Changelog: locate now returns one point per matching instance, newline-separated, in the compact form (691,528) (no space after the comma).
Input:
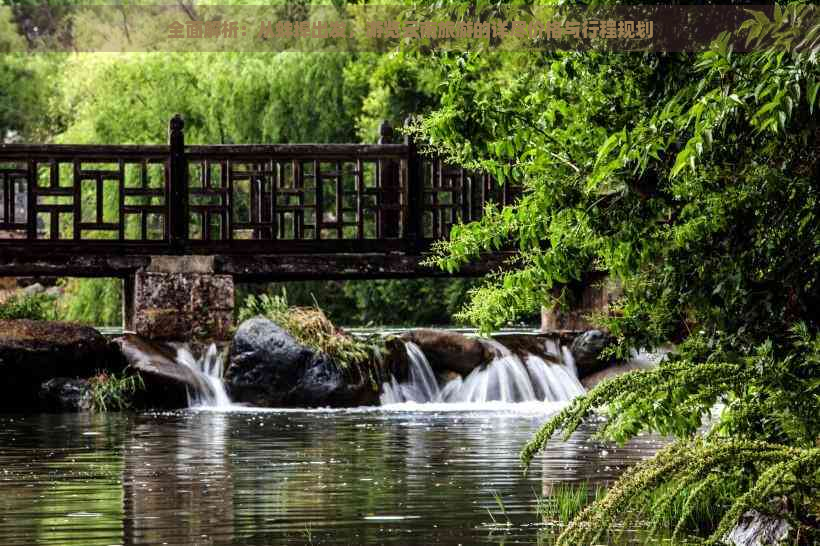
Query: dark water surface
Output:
(289,477)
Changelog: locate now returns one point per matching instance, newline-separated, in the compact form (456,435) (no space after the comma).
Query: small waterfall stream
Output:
(422,385)
(210,390)
(504,379)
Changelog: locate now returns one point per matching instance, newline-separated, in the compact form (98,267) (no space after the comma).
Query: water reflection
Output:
(177,481)
(377,477)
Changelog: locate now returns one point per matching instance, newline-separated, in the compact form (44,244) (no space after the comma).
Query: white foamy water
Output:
(506,380)
(210,390)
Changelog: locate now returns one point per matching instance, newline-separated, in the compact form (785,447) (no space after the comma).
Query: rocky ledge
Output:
(51,366)
(34,352)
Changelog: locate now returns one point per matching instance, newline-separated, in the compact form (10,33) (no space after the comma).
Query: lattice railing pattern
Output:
(244,198)
(323,198)
(14,199)
(453,195)
(87,196)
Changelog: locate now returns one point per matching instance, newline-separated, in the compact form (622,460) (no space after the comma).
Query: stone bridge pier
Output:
(179,298)
(595,296)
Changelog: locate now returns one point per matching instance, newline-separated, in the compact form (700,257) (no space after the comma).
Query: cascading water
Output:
(422,385)
(505,379)
(210,389)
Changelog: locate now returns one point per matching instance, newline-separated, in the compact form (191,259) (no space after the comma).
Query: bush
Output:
(97,302)
(405,302)
(33,307)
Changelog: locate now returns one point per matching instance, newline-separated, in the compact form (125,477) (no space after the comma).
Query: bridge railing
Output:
(214,199)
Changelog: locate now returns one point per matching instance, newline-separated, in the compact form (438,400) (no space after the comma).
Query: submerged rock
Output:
(32,352)
(593,379)
(586,350)
(449,351)
(63,394)
(269,367)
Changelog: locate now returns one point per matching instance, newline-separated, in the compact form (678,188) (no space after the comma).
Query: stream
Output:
(435,463)
(398,474)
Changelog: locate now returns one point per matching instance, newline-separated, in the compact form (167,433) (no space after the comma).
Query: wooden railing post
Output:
(389,214)
(31,201)
(413,224)
(178,191)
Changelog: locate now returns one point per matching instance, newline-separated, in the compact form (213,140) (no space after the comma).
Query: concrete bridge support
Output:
(179,298)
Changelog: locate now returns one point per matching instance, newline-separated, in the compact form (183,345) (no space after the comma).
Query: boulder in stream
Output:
(268,367)
(32,352)
(65,394)
(586,350)
(757,529)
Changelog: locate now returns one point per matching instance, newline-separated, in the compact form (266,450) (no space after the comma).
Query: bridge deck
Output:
(265,211)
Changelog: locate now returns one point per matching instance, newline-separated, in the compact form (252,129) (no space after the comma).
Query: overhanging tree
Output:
(693,178)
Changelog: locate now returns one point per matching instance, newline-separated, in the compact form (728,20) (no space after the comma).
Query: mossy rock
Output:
(32,352)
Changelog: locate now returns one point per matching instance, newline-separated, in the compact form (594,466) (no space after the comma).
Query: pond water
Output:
(405,474)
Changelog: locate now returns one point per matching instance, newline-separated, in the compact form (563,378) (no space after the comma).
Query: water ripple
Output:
(394,475)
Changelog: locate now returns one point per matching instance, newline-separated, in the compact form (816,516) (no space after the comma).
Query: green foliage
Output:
(406,302)
(113,392)
(97,302)
(566,500)
(33,307)
(721,480)
(692,179)
(763,396)
(28,87)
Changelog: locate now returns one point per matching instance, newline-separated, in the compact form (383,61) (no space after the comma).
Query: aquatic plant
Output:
(499,501)
(114,392)
(33,307)
(567,500)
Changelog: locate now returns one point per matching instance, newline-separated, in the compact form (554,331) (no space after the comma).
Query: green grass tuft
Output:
(112,392)
(567,501)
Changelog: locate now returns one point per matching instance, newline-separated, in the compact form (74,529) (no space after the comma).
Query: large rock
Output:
(32,352)
(64,394)
(449,351)
(166,381)
(269,368)
(586,350)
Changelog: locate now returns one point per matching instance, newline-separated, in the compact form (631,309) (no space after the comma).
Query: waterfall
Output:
(553,383)
(504,379)
(210,389)
(422,385)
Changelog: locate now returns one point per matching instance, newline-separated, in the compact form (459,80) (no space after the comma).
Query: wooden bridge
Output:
(264,212)
(180,223)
